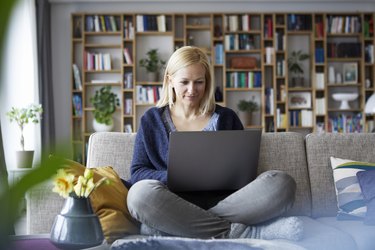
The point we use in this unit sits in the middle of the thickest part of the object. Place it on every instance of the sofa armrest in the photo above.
(42, 206)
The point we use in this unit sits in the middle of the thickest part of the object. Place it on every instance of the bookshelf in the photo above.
(229, 40)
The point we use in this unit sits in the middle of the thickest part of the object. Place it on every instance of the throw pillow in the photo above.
(109, 202)
(350, 200)
(366, 180)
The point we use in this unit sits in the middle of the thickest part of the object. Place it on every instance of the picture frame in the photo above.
(350, 73)
(299, 99)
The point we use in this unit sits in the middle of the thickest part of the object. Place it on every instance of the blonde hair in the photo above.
(182, 58)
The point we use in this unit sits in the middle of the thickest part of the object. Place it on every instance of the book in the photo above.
(127, 56)
(77, 105)
(161, 23)
(77, 78)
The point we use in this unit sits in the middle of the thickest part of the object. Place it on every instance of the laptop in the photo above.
(224, 160)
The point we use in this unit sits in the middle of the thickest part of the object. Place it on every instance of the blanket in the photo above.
(177, 243)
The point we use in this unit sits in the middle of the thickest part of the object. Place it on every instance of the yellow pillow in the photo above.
(109, 202)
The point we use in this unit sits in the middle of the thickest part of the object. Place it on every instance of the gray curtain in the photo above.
(43, 20)
(3, 168)
(5, 228)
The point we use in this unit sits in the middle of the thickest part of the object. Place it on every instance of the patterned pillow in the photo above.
(350, 200)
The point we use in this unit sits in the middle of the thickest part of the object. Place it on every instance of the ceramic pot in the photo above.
(152, 76)
(246, 118)
(77, 226)
(25, 158)
(101, 127)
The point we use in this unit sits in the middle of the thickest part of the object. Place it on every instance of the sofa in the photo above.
(305, 158)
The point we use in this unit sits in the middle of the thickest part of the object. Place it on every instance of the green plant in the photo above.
(23, 116)
(247, 106)
(105, 102)
(295, 62)
(152, 63)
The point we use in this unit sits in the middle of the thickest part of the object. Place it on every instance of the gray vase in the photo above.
(77, 226)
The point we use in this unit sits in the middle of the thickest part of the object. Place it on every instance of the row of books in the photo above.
(319, 55)
(269, 101)
(281, 120)
(280, 41)
(102, 23)
(97, 61)
(148, 94)
(280, 67)
(344, 123)
(369, 53)
(368, 27)
(244, 79)
(151, 23)
(320, 106)
(268, 28)
(298, 118)
(299, 22)
(128, 59)
(128, 106)
(128, 80)
(219, 53)
(343, 24)
(77, 105)
(242, 42)
(128, 29)
(246, 22)
(319, 29)
(77, 78)
(319, 80)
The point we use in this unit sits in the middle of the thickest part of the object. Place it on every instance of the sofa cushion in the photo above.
(113, 149)
(350, 200)
(320, 147)
(363, 235)
(366, 181)
(286, 151)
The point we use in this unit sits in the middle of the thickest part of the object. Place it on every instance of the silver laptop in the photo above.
(212, 160)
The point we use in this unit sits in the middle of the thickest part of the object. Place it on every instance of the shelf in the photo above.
(262, 31)
(153, 33)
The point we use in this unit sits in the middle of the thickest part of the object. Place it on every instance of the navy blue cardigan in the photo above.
(150, 157)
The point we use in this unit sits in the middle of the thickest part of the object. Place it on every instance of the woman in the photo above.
(187, 104)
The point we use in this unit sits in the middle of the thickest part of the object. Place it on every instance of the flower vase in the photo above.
(77, 226)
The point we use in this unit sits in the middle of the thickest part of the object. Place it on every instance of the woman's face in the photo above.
(189, 84)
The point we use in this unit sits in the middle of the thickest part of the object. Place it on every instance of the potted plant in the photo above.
(296, 68)
(23, 116)
(247, 108)
(152, 64)
(105, 102)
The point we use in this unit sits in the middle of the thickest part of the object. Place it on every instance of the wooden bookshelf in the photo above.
(270, 38)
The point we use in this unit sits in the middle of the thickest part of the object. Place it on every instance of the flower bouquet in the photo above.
(66, 183)
(81, 225)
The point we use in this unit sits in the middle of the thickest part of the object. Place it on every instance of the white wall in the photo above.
(61, 39)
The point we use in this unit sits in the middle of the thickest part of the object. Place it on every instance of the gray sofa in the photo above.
(306, 159)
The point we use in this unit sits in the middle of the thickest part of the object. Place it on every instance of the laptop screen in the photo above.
(212, 160)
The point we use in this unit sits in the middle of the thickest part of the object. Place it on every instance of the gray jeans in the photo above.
(268, 196)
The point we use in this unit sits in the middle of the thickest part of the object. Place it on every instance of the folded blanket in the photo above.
(177, 243)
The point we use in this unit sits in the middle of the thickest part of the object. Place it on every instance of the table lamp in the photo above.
(370, 105)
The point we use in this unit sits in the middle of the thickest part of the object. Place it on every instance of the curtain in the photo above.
(3, 168)
(43, 25)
